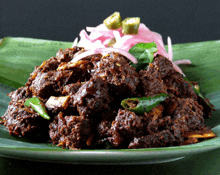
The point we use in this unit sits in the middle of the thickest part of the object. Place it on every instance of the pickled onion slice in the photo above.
(144, 35)
(170, 49)
(100, 37)
(104, 51)
(182, 62)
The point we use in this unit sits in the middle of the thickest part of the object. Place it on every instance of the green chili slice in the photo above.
(113, 21)
(197, 91)
(130, 25)
(37, 105)
(197, 87)
(141, 105)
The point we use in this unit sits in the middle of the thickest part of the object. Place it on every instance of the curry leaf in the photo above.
(144, 52)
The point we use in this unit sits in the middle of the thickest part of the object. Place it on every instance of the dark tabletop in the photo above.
(184, 21)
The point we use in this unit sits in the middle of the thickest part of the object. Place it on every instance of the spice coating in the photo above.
(92, 117)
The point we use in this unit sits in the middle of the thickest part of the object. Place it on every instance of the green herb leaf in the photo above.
(37, 105)
(144, 52)
(143, 104)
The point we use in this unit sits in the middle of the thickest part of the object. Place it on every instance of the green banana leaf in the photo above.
(19, 56)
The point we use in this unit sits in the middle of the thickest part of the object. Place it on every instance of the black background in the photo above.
(184, 21)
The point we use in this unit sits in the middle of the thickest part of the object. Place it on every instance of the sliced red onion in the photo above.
(182, 62)
(105, 50)
(90, 29)
(170, 49)
(122, 52)
(75, 42)
(97, 42)
(177, 68)
(175, 63)
(85, 54)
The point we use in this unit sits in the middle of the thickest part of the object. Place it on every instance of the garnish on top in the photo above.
(117, 34)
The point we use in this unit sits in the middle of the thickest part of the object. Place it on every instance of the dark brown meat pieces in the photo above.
(150, 86)
(86, 65)
(161, 77)
(53, 63)
(71, 89)
(179, 117)
(92, 97)
(177, 86)
(71, 132)
(84, 103)
(116, 70)
(46, 66)
(126, 126)
(162, 139)
(49, 83)
(24, 121)
(20, 93)
(105, 124)
(187, 115)
(67, 54)
(161, 67)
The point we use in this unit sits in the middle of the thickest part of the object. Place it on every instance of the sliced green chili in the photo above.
(197, 87)
(130, 26)
(37, 105)
(141, 105)
(113, 21)
(197, 91)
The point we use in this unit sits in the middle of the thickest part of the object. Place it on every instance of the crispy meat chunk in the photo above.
(49, 83)
(116, 70)
(150, 86)
(105, 124)
(161, 67)
(86, 65)
(177, 86)
(159, 125)
(67, 54)
(24, 121)
(187, 115)
(161, 139)
(71, 89)
(126, 126)
(20, 93)
(49, 65)
(70, 131)
(92, 97)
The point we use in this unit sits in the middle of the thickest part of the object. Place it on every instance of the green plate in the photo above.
(19, 56)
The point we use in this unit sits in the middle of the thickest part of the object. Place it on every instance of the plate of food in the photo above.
(116, 95)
